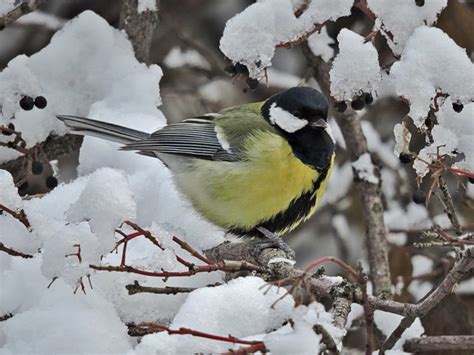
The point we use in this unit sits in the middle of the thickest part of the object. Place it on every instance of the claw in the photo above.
(271, 241)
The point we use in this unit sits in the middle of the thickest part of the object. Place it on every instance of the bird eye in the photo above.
(297, 114)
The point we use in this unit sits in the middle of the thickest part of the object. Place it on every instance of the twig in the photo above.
(140, 27)
(155, 327)
(438, 343)
(22, 9)
(448, 201)
(371, 194)
(13, 252)
(326, 338)
(137, 288)
(248, 349)
(225, 266)
(465, 264)
(191, 250)
(5, 317)
(335, 260)
(20, 216)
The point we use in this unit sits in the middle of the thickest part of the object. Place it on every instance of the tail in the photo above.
(108, 131)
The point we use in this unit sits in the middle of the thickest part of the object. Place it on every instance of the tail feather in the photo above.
(108, 131)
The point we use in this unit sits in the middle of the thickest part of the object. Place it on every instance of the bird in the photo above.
(257, 170)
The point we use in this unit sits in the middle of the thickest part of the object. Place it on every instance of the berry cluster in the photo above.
(357, 103)
(27, 103)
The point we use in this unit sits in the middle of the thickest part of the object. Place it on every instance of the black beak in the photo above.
(319, 123)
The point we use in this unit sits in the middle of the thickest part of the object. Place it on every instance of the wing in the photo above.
(197, 137)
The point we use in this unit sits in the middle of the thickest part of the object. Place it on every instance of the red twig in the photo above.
(461, 172)
(21, 216)
(186, 331)
(191, 250)
(333, 259)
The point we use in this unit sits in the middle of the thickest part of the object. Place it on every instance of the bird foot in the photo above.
(271, 240)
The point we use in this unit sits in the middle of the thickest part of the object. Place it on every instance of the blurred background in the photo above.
(186, 47)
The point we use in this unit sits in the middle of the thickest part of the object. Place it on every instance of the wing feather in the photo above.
(195, 137)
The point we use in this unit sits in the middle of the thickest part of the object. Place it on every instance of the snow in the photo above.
(365, 169)
(177, 58)
(350, 77)
(250, 37)
(402, 139)
(146, 5)
(131, 87)
(105, 202)
(241, 308)
(6, 6)
(398, 19)
(432, 62)
(387, 322)
(319, 43)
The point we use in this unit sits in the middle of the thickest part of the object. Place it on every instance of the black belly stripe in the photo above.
(298, 208)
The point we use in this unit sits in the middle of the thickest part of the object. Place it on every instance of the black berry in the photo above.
(241, 69)
(231, 70)
(340, 106)
(27, 103)
(37, 167)
(405, 158)
(252, 83)
(40, 102)
(358, 103)
(419, 197)
(22, 188)
(457, 106)
(368, 98)
(420, 3)
(10, 126)
(471, 180)
(51, 182)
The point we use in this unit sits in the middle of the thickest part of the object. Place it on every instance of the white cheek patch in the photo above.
(285, 120)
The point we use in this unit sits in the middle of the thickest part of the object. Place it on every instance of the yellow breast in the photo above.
(240, 195)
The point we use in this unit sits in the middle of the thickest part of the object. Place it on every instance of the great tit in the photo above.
(249, 169)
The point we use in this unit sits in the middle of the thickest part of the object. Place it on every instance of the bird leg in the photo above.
(271, 240)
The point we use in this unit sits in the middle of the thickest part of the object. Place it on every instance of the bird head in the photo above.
(300, 115)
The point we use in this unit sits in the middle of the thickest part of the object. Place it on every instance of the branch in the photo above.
(225, 266)
(139, 27)
(464, 265)
(137, 288)
(448, 203)
(437, 343)
(20, 216)
(5, 317)
(13, 252)
(22, 9)
(155, 327)
(371, 194)
(53, 147)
